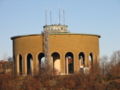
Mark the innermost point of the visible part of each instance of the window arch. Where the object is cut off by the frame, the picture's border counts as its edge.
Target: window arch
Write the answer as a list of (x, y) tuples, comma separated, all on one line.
[(82, 59), (41, 59), (29, 63), (56, 62), (20, 64), (69, 62), (91, 58)]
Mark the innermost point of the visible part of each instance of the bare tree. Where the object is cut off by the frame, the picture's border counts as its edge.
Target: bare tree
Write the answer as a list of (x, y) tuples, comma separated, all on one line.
[(115, 58), (104, 63)]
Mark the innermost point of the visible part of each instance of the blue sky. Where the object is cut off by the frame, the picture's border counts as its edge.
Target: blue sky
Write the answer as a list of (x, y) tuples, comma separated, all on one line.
[(18, 17)]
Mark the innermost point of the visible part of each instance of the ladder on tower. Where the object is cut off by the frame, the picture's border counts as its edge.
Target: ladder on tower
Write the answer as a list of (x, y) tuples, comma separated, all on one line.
[(46, 46)]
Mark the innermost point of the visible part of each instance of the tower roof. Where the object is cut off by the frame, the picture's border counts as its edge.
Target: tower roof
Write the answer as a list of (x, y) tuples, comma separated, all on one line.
[(56, 28)]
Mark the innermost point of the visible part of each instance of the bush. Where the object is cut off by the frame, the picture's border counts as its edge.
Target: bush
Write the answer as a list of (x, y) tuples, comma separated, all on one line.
[(46, 80)]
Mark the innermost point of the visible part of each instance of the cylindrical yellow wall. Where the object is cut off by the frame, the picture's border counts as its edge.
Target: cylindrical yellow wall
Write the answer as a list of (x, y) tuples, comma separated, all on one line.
[(61, 43)]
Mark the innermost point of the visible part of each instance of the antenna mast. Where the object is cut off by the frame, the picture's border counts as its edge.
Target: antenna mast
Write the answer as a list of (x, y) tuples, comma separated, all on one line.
[(50, 17), (63, 17), (46, 17), (59, 16)]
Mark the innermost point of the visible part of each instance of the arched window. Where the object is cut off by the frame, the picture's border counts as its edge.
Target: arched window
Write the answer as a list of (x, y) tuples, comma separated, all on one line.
[(81, 60), (91, 58), (41, 58), (56, 62), (69, 63), (29, 63), (20, 64)]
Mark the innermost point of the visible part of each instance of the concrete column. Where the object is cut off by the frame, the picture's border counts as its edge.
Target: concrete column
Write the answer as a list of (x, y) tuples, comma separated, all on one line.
[(17, 64), (32, 65), (62, 63), (66, 66), (96, 58), (36, 65), (86, 59), (51, 63), (76, 62), (89, 61), (24, 65)]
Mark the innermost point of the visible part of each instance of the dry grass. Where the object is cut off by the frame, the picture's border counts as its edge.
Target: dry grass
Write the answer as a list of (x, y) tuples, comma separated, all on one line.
[(79, 81), (95, 80)]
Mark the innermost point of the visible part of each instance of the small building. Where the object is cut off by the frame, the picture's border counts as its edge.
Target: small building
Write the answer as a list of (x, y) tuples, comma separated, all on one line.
[(68, 52), (5, 67)]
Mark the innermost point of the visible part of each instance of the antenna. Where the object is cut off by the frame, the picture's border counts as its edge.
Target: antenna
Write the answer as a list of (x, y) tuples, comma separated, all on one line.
[(59, 16), (50, 17), (63, 17), (46, 17)]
